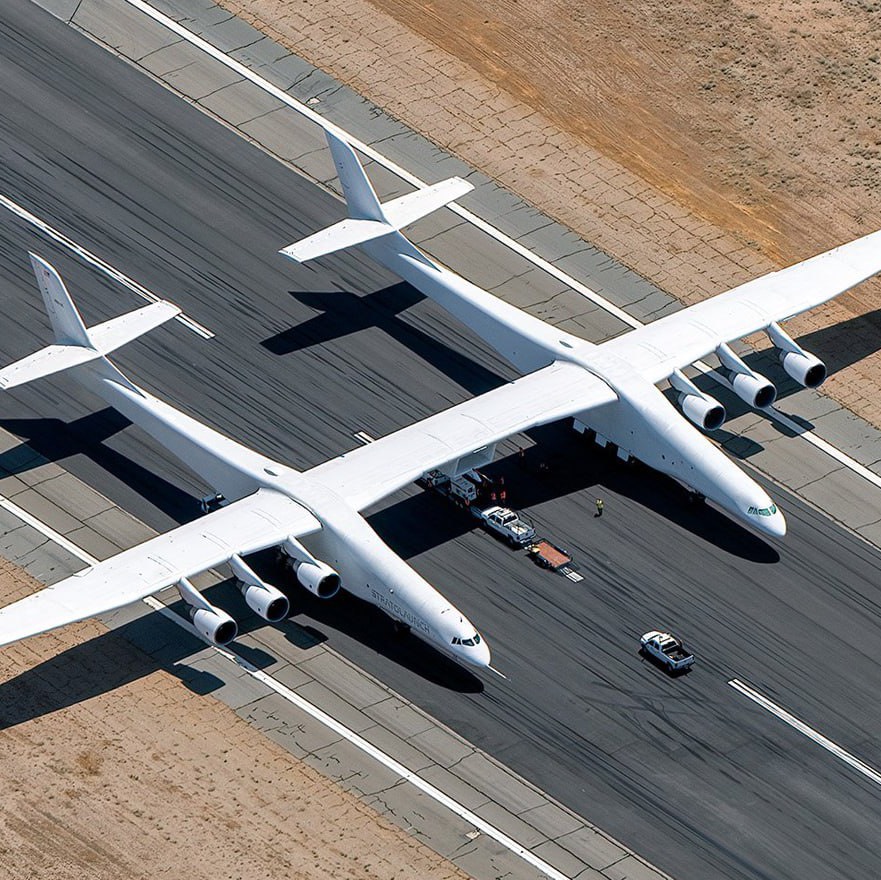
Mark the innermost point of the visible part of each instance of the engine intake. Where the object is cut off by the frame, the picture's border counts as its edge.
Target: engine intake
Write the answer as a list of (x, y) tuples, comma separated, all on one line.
[(754, 389), (215, 625), (751, 387), (807, 369), (703, 410), (263, 599), (267, 601), (319, 579), (706, 412), (316, 576)]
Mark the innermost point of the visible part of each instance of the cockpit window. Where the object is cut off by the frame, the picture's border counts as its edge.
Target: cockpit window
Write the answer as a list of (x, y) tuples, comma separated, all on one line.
[(456, 640), (476, 638), (468, 642), (763, 511)]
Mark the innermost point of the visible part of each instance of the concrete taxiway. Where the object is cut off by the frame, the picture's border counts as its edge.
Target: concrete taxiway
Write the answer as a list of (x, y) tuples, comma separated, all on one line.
[(301, 362)]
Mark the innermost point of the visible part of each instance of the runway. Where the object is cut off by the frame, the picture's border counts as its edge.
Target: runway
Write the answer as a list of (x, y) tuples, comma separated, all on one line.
[(687, 772)]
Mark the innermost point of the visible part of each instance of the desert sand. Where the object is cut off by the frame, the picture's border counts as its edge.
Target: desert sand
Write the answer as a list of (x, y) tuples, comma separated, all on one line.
[(112, 769), (701, 143)]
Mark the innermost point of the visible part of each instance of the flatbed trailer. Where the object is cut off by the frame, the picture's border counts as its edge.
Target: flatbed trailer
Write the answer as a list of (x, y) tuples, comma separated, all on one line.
[(549, 556)]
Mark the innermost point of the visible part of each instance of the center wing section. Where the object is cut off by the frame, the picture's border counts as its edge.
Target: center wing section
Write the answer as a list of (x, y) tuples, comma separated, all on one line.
[(678, 340), (370, 473), (253, 523)]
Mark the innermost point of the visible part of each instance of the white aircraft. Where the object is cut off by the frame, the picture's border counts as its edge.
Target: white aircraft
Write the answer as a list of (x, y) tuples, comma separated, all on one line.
[(270, 504), (620, 401)]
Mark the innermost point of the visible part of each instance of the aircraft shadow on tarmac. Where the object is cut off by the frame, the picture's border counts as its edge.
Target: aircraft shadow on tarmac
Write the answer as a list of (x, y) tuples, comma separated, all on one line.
[(346, 313), (54, 440), (560, 464), (108, 662), (361, 622)]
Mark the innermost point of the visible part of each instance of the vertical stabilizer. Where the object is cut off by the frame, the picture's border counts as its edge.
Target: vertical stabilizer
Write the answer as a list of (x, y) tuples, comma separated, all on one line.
[(66, 321), (360, 196)]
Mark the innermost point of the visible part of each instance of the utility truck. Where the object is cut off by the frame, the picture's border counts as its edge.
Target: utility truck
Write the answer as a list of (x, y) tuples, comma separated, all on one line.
[(666, 650)]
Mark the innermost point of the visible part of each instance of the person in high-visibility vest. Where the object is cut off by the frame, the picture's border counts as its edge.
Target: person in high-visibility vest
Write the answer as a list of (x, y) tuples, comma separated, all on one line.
[(599, 506)]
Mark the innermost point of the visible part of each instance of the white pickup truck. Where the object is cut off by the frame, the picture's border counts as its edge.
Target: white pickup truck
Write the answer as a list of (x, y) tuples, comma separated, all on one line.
[(666, 650), (505, 523)]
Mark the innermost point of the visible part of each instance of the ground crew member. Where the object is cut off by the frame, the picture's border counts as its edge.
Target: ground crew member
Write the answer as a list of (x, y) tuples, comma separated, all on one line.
[(599, 506)]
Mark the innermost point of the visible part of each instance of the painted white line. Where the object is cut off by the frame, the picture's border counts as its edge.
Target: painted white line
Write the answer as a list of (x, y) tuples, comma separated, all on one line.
[(319, 715), (483, 225), (364, 437), (809, 732), (97, 262)]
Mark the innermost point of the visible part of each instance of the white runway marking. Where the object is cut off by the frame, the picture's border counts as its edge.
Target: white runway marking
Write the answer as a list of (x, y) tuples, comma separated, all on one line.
[(809, 732), (97, 262), (364, 437), (292, 697), (497, 234)]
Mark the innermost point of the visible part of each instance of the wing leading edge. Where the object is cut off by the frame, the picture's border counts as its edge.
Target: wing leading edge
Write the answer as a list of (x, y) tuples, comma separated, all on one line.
[(370, 473), (253, 523), (678, 340)]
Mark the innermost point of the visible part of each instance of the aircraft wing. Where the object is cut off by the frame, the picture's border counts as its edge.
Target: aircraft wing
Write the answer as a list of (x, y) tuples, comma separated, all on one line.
[(678, 340), (253, 523), (370, 473)]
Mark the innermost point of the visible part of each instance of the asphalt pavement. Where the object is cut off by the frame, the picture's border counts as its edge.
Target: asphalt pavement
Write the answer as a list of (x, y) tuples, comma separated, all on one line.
[(685, 771)]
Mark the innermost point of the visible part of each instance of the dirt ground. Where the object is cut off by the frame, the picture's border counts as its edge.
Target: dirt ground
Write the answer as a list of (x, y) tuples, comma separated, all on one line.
[(112, 769), (701, 143)]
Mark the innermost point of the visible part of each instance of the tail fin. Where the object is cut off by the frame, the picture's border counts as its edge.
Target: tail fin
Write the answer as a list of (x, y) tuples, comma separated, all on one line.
[(75, 344), (66, 321), (368, 219)]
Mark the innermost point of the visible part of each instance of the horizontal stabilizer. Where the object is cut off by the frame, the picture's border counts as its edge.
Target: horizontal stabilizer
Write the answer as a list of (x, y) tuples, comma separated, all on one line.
[(118, 331), (342, 235), (45, 362), (74, 343), (368, 219), (414, 206)]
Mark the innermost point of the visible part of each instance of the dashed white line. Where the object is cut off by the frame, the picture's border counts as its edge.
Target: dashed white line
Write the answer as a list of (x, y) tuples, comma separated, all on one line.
[(805, 730), (359, 742), (483, 225), (364, 437), (88, 257)]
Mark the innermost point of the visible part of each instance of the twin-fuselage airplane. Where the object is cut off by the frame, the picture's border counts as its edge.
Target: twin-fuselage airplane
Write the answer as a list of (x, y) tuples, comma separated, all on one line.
[(315, 516)]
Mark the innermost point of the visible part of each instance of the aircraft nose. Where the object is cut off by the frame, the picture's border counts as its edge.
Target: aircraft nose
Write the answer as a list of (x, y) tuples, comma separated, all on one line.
[(482, 655), (475, 655), (775, 525)]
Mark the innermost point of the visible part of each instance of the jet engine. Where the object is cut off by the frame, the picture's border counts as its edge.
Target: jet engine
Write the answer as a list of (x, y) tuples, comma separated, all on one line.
[(212, 623), (807, 369), (750, 386), (265, 600), (705, 411), (316, 576), (215, 625), (319, 578)]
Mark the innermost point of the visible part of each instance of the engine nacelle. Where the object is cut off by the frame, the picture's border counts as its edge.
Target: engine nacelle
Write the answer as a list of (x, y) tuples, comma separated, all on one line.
[(706, 412), (265, 600), (318, 578), (749, 386), (215, 625), (754, 389), (807, 369)]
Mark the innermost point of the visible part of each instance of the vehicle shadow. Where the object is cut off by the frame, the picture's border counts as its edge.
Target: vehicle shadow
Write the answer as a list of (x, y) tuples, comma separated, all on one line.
[(346, 313)]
